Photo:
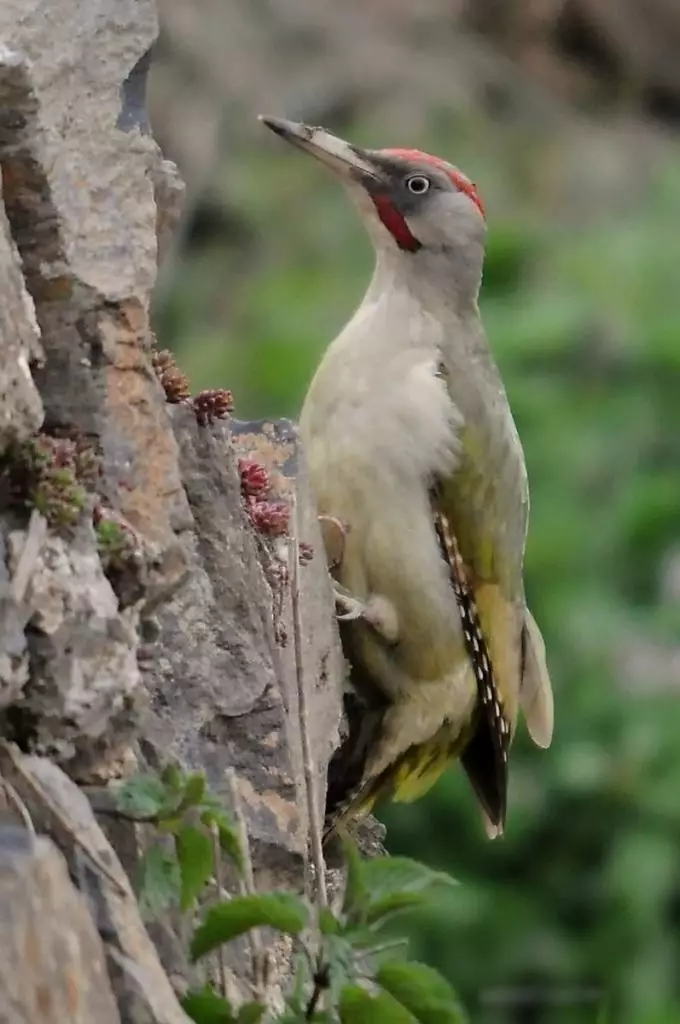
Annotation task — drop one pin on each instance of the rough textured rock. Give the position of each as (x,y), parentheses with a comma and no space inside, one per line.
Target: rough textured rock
(21,410)
(52,965)
(84,671)
(78,193)
(77,165)
(59,808)
(21,414)
(183,659)
(223,693)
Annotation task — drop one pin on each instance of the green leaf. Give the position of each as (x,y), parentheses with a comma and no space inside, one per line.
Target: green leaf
(229,919)
(328,923)
(173,780)
(195,856)
(357,1006)
(397,883)
(142,796)
(213,816)
(159,882)
(205,1007)
(422,990)
(251,1013)
(356,894)
(382,909)
(194,791)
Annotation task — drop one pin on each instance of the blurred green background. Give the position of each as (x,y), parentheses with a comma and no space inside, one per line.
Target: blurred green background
(572,138)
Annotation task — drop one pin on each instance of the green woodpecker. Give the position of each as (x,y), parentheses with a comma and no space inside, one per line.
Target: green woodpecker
(421,485)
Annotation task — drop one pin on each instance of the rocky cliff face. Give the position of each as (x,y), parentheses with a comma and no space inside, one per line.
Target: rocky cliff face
(168,646)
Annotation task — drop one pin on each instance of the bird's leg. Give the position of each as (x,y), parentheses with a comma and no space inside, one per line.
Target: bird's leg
(377,611)
(347,607)
(334,535)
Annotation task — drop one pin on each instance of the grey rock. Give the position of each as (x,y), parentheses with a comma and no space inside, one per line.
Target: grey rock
(79,238)
(78,191)
(222,692)
(14,581)
(21,409)
(52,964)
(60,809)
(91,207)
(84,672)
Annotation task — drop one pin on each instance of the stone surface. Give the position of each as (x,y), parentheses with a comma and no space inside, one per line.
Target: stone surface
(60,809)
(80,172)
(21,409)
(52,964)
(182,663)
(26,547)
(84,672)
(222,692)
(77,164)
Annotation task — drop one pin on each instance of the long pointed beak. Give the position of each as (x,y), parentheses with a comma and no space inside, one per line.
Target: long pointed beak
(346,160)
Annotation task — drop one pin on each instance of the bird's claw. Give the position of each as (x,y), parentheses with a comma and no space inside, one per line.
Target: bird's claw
(353,607)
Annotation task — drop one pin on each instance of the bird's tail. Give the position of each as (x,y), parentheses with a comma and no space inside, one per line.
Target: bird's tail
(352,794)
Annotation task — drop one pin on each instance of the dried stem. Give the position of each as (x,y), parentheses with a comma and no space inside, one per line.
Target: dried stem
(315,823)
(15,800)
(35,535)
(12,753)
(217,866)
(247,879)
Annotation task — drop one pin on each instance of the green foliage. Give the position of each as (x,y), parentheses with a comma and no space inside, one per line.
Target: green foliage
(396,884)
(207,1007)
(421,990)
(179,806)
(49,474)
(115,544)
(344,970)
(146,796)
(357,1006)
(229,919)
(159,881)
(194,852)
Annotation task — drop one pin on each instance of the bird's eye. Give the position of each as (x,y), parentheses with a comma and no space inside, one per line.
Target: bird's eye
(418,184)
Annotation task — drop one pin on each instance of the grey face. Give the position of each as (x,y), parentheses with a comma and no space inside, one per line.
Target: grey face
(412,187)
(424,205)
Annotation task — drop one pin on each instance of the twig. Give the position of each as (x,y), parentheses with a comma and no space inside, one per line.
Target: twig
(35,536)
(315,823)
(11,751)
(217,865)
(383,947)
(321,983)
(136,819)
(247,878)
(18,804)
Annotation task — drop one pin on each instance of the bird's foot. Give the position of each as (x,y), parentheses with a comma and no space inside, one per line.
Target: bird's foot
(348,608)
(377,612)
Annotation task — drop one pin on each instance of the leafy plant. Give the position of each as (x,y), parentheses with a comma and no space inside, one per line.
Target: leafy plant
(346,970)
(180,806)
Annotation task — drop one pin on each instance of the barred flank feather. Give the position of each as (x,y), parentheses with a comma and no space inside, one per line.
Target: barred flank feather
(485,758)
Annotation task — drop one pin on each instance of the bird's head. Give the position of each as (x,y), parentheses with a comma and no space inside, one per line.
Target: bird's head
(416,207)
